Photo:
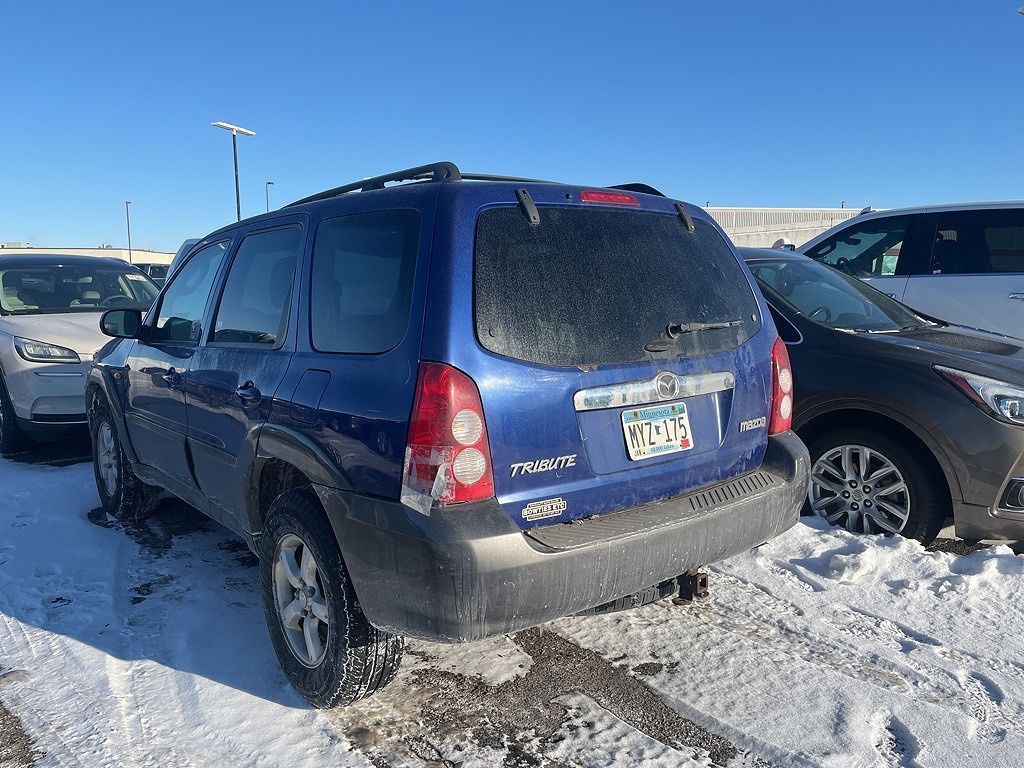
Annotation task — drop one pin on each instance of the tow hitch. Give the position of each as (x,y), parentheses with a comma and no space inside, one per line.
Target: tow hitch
(693,585)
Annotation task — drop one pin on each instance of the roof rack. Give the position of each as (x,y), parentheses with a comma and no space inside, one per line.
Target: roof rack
(443,171)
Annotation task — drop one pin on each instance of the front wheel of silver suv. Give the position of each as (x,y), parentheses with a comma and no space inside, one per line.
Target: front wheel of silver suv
(327,648)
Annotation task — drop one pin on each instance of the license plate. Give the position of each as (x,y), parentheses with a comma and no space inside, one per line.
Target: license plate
(656,431)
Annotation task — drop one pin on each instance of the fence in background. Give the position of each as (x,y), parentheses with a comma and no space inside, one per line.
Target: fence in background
(763,226)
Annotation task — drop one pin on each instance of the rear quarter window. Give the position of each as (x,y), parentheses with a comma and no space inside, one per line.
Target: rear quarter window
(594,286)
(362,281)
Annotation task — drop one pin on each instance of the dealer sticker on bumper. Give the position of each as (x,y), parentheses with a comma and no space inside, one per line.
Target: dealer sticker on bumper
(538,510)
(656,431)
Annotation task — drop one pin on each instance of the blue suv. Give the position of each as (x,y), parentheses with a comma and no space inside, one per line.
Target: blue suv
(453,408)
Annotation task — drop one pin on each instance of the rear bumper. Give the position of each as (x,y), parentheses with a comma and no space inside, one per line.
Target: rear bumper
(469,572)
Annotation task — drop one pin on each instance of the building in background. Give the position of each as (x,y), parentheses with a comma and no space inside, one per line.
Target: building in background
(761,227)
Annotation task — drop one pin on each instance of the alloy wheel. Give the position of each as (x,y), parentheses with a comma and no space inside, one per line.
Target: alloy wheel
(861,489)
(107,458)
(301,605)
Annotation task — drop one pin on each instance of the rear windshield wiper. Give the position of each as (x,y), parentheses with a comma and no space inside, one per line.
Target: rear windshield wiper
(674,330)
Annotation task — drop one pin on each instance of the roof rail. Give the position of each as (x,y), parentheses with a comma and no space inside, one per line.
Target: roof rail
(491,177)
(443,171)
(636,186)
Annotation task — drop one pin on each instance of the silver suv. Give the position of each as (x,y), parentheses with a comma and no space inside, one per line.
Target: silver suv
(961,263)
(49,330)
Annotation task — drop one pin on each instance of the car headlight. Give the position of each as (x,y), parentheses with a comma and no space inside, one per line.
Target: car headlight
(41,352)
(1001,399)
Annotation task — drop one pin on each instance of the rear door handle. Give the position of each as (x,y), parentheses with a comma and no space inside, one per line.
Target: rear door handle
(1017,296)
(248,392)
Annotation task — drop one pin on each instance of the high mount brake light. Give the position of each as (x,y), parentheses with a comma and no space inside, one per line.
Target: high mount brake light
(782,389)
(447,458)
(609,198)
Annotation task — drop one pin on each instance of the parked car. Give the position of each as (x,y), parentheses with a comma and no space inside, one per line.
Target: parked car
(455,408)
(963,263)
(908,419)
(49,308)
(156,272)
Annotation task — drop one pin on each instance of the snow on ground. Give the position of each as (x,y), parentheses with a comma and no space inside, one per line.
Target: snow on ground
(147,647)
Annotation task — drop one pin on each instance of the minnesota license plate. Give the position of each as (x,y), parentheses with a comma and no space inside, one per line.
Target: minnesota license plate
(656,431)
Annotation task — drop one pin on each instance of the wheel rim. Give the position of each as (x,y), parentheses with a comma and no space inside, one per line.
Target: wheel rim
(861,489)
(107,458)
(301,605)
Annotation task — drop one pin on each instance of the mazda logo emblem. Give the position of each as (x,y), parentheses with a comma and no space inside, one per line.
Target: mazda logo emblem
(667,385)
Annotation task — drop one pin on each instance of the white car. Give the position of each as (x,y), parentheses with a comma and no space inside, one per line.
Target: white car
(961,263)
(50,309)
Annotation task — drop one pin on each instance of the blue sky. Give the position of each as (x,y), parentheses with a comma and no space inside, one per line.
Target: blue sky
(737,103)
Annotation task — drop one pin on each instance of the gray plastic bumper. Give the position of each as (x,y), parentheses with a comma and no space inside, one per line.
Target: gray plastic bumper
(469,572)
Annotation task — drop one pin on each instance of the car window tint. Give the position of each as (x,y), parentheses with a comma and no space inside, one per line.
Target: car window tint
(866,249)
(180,316)
(254,305)
(362,281)
(978,242)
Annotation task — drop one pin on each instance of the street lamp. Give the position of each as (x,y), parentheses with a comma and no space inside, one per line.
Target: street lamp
(267,187)
(128,221)
(235,130)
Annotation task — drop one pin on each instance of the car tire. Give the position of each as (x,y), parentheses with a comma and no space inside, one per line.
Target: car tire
(926,498)
(332,655)
(122,494)
(12,439)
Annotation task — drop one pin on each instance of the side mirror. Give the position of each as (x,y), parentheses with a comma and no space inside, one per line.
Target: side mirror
(121,323)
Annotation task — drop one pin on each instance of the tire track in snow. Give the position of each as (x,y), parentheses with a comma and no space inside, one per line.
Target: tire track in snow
(933,685)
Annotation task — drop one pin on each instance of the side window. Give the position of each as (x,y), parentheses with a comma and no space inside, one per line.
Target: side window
(362,281)
(869,249)
(180,314)
(787,331)
(978,242)
(254,305)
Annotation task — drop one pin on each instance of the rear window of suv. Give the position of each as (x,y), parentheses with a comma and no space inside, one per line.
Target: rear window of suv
(591,286)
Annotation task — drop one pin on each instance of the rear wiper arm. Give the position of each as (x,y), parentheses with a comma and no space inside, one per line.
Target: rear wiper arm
(674,330)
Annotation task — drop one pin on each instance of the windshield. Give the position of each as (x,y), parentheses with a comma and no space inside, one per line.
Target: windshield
(833,298)
(591,286)
(46,288)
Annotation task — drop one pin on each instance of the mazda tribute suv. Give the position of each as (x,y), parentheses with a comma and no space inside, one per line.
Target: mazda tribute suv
(454,407)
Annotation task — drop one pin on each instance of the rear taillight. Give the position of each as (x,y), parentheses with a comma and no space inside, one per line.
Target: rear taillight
(447,458)
(782,390)
(609,198)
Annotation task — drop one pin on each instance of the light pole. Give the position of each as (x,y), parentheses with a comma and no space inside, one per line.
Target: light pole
(235,130)
(128,221)
(267,187)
